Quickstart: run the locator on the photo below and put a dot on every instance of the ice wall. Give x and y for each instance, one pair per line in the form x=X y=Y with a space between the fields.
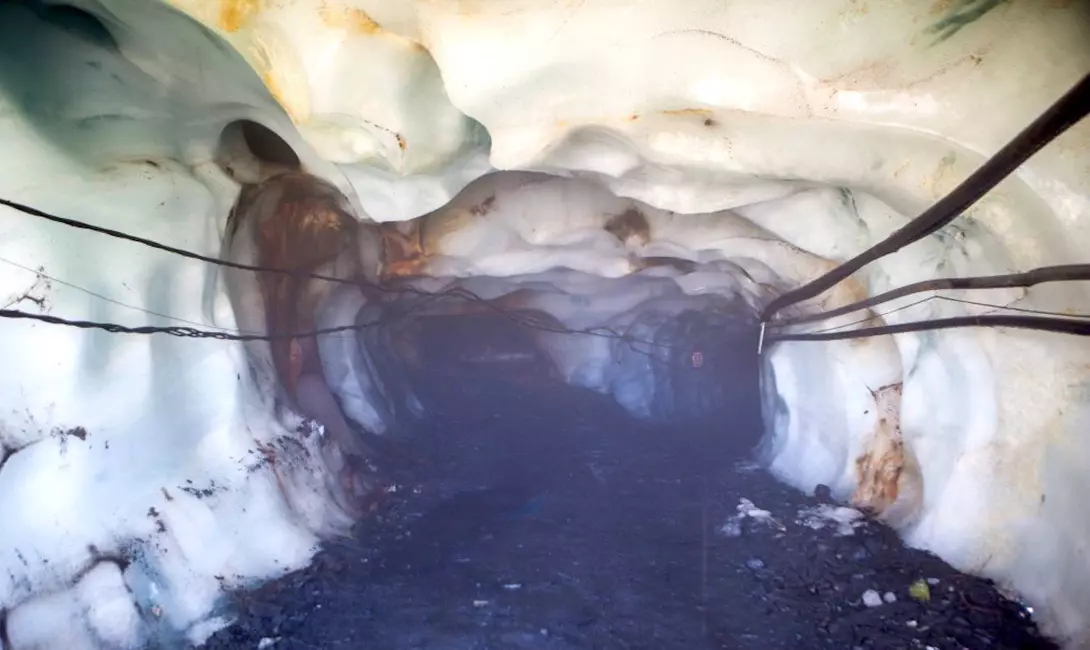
x=723 y=117
x=154 y=450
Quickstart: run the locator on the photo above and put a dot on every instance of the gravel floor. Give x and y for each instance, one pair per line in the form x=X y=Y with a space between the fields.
x=556 y=523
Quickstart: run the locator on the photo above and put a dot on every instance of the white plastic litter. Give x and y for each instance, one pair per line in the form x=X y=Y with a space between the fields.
x=871 y=598
x=845 y=520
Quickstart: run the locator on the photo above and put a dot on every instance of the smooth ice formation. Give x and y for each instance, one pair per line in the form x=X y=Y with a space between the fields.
x=656 y=156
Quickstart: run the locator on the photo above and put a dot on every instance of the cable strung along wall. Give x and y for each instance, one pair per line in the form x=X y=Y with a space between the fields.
x=1067 y=111
x=1064 y=113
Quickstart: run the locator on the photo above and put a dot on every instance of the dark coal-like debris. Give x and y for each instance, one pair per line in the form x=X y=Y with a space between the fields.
x=554 y=522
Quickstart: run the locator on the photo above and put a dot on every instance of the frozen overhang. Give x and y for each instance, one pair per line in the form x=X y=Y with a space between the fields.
x=779 y=137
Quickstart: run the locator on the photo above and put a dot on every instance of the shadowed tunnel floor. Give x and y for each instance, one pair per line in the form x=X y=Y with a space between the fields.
x=555 y=522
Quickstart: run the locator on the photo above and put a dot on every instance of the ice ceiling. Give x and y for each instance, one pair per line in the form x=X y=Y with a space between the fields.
x=763 y=140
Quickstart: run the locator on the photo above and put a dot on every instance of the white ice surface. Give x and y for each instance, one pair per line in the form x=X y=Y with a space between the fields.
x=120 y=144
x=346 y=367
x=726 y=114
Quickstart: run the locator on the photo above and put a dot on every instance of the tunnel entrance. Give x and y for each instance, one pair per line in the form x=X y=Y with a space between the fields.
x=413 y=335
x=250 y=152
x=557 y=458
x=471 y=347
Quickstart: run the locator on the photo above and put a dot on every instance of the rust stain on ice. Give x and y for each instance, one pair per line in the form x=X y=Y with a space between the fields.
x=275 y=89
x=630 y=227
x=403 y=248
x=234 y=14
x=941 y=7
x=699 y=112
x=352 y=19
x=882 y=469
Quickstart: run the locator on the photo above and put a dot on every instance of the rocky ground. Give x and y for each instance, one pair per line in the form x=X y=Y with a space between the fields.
x=556 y=523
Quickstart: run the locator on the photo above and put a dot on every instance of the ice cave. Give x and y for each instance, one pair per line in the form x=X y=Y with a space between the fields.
x=554 y=187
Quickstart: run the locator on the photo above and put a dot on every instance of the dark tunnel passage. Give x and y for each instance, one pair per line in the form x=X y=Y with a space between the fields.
x=702 y=369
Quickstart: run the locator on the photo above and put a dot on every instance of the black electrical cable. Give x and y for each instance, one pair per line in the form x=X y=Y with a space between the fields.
x=1056 y=325
x=227 y=335
x=866 y=319
x=117 y=234
x=451 y=292
x=82 y=225
x=1037 y=275
x=182 y=332
x=1064 y=113
x=1022 y=310
x=848 y=334
x=42 y=274
x=1013 y=280
x=1045 y=274
x=197 y=333
x=224 y=335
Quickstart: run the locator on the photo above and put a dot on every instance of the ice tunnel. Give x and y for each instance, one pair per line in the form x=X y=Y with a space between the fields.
x=642 y=168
